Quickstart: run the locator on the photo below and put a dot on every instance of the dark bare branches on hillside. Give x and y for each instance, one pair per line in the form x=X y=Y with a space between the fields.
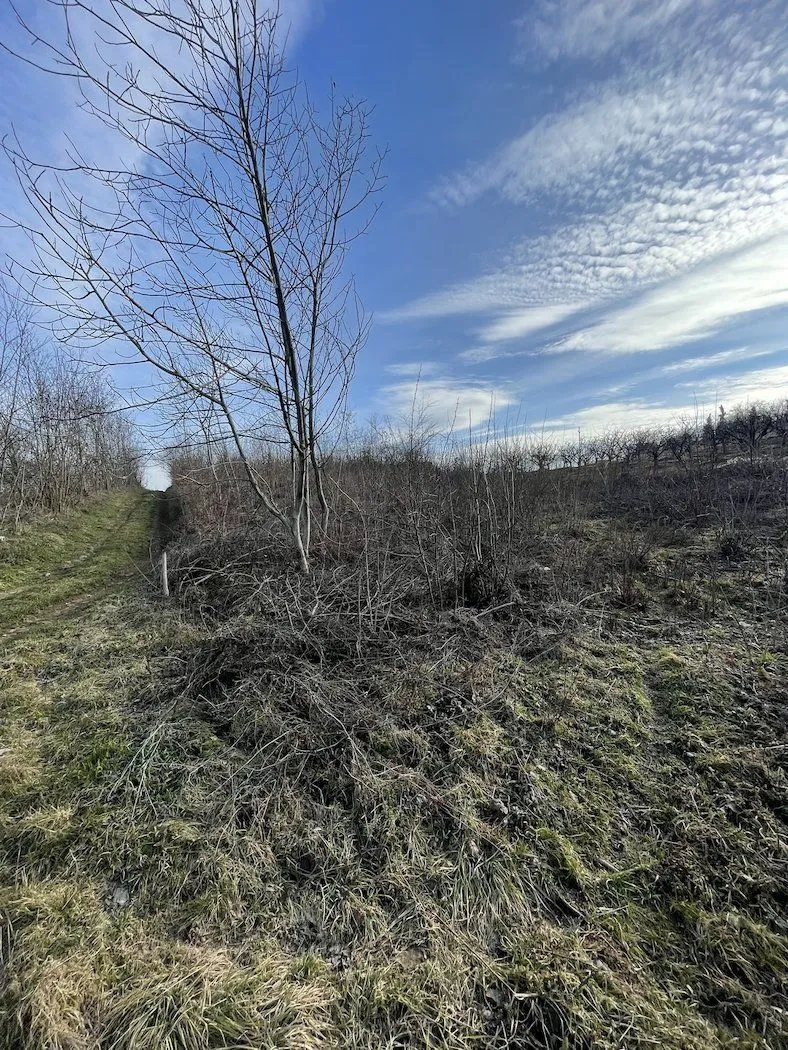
x=415 y=515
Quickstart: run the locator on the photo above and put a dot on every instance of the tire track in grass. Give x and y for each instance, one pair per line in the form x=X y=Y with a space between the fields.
x=58 y=565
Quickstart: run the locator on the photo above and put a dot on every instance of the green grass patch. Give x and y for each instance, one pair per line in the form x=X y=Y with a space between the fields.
x=80 y=552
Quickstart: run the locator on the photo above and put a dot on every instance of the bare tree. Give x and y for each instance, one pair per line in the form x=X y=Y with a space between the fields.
x=678 y=442
x=780 y=422
x=61 y=436
x=711 y=438
x=749 y=425
x=14 y=346
x=544 y=454
x=215 y=250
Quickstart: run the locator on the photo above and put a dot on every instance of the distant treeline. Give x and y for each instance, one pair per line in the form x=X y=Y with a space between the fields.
x=61 y=437
x=744 y=430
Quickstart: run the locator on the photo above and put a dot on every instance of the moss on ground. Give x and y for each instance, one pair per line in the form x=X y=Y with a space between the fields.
x=211 y=837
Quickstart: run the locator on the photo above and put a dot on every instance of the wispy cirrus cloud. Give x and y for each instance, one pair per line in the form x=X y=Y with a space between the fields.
x=617 y=415
x=593 y=28
x=478 y=355
x=496 y=337
x=764 y=384
x=651 y=118
x=412 y=369
x=517 y=323
x=663 y=229
x=695 y=401
x=696 y=304
x=446 y=404
x=707 y=362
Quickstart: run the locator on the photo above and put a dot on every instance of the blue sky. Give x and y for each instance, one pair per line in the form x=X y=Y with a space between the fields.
x=587 y=209
x=586 y=215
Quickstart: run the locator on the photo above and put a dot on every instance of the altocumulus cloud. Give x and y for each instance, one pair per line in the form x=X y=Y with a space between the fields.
x=671 y=162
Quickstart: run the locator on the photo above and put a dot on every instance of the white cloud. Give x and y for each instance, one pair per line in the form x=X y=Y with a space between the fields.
x=617 y=415
x=664 y=178
x=658 y=230
x=412 y=369
x=478 y=355
x=674 y=172
x=593 y=28
x=444 y=403
x=709 y=361
x=513 y=325
x=695 y=305
x=704 y=363
x=705 y=114
x=448 y=405
x=518 y=323
x=765 y=384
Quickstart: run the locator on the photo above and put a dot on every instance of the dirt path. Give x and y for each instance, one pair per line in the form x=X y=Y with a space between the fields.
x=56 y=567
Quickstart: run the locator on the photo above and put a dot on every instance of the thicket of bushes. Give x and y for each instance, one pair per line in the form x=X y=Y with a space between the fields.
x=61 y=437
x=471 y=526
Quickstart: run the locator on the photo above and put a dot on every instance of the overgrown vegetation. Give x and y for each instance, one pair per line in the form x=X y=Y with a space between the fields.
x=61 y=436
x=460 y=524
x=502 y=771
x=431 y=748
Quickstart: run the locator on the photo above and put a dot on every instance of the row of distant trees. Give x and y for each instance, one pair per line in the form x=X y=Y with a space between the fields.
x=61 y=437
x=742 y=431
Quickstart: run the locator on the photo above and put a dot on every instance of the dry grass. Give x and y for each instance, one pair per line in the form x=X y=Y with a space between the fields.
x=283 y=814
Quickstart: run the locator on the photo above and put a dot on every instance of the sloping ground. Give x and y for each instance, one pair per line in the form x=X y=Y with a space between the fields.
x=279 y=830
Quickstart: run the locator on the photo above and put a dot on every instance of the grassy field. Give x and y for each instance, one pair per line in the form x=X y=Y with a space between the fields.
x=564 y=830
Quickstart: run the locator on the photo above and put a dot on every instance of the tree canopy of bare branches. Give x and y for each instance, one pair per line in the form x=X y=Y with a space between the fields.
x=215 y=247
x=61 y=436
